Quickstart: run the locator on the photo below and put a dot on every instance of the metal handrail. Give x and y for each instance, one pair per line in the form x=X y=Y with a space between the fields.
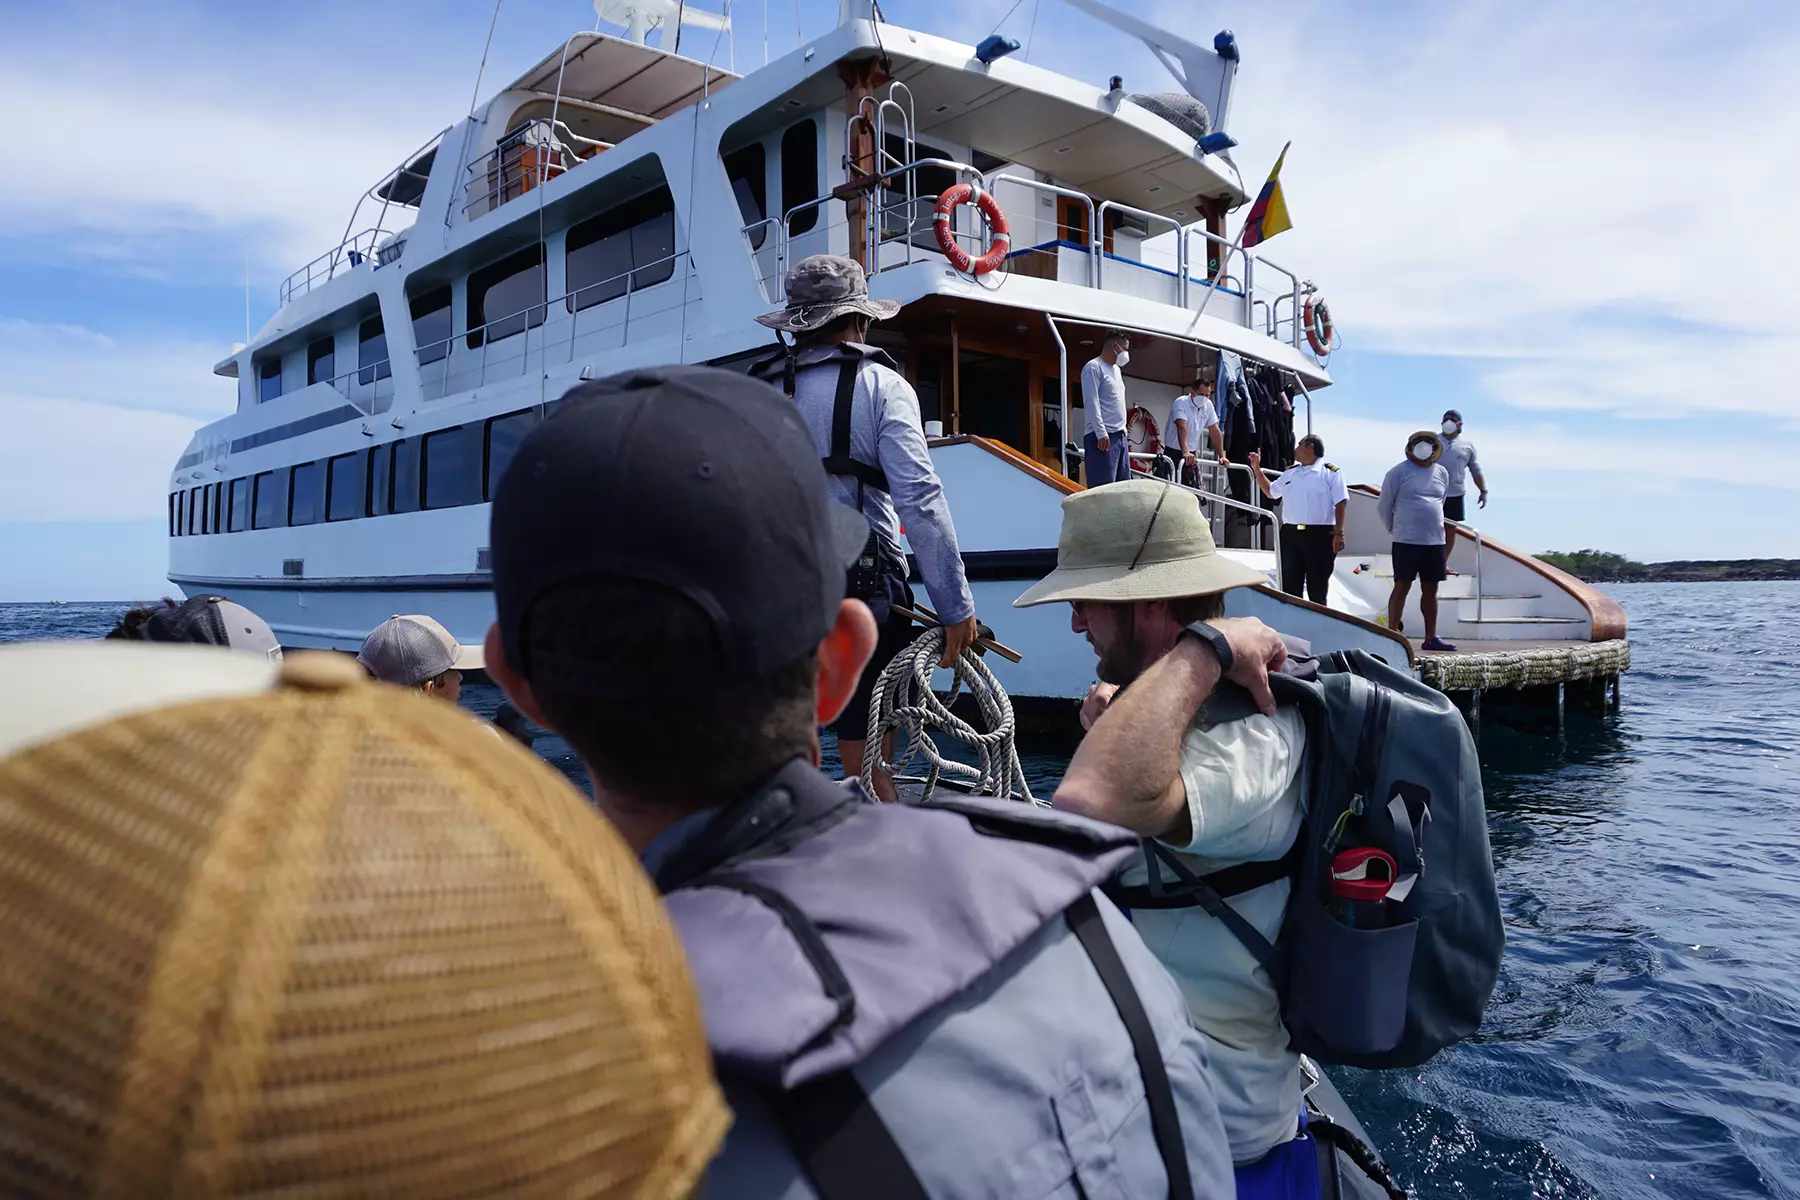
x=1476 y=534
x=1097 y=237
x=509 y=174
x=1227 y=501
x=354 y=250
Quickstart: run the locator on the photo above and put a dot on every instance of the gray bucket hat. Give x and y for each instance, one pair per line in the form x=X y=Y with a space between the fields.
x=822 y=288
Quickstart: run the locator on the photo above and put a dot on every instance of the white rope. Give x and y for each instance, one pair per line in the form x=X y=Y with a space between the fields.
x=903 y=703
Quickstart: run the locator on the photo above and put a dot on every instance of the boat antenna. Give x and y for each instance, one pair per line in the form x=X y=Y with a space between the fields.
x=246 y=287
x=765 y=33
x=482 y=69
x=799 y=37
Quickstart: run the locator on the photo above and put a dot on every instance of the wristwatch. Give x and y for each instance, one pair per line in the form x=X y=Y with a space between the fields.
x=1212 y=637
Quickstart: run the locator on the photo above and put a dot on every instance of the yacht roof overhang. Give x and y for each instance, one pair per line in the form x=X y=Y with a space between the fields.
x=623 y=75
x=1091 y=139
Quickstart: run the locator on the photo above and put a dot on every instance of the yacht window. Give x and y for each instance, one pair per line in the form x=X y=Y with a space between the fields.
x=344 y=487
x=431 y=325
x=240 y=505
x=321 y=361
x=372 y=352
x=203 y=496
x=503 y=437
x=269 y=381
x=510 y=294
x=636 y=239
x=176 y=500
x=403 y=476
x=800 y=174
x=376 y=476
x=303 y=495
x=452 y=467
x=218 y=508
x=193 y=511
x=750 y=184
x=270 y=502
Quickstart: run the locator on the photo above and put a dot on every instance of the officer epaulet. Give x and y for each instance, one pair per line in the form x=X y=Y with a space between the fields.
x=1331 y=466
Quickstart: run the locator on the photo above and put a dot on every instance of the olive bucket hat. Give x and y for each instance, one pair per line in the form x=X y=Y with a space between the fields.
x=823 y=288
x=1139 y=539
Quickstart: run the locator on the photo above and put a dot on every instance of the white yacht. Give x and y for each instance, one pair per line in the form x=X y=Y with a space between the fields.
x=621 y=204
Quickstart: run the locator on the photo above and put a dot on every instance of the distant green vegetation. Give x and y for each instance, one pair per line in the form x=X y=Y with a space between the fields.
x=1603 y=566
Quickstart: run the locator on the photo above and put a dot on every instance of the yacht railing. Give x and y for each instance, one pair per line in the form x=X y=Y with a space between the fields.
x=1256 y=510
x=527 y=157
x=1476 y=534
x=368 y=246
x=557 y=324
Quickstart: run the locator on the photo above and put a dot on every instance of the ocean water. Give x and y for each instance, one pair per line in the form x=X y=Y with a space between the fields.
x=1644 y=1040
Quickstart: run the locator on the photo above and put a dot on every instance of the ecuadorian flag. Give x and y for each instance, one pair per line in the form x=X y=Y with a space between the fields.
x=1269 y=215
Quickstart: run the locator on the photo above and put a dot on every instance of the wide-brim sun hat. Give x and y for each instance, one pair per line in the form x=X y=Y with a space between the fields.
x=1425 y=435
x=1139 y=539
x=271 y=928
x=822 y=288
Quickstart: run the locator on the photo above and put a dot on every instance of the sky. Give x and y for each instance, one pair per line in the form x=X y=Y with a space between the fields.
x=1567 y=221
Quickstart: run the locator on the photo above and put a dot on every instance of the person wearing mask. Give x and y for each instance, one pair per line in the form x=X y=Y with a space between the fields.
x=1412 y=509
x=1192 y=416
x=1149 y=596
x=1459 y=461
x=864 y=420
x=414 y=651
x=200 y=621
x=1313 y=502
x=1107 y=454
x=921 y=1000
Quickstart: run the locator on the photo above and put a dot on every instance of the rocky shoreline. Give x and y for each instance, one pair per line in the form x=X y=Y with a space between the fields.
x=1596 y=566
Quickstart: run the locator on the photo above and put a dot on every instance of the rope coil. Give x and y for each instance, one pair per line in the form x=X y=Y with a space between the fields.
x=903 y=702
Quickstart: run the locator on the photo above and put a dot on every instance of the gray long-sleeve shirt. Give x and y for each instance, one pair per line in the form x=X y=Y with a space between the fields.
x=1412 y=503
x=1459 y=461
x=886 y=431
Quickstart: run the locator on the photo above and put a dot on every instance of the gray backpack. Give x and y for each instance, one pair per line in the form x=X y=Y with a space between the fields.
x=1391 y=774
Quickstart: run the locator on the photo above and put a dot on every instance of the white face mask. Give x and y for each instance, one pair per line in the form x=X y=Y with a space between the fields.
x=1451 y=428
x=1421 y=451
x=1124 y=357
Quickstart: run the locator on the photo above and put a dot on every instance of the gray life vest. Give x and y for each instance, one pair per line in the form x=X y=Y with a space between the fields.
x=1390 y=765
x=849 y=356
x=818 y=926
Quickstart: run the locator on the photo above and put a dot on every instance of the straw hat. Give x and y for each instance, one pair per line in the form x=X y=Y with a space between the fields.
x=1139 y=539
x=270 y=927
x=1425 y=435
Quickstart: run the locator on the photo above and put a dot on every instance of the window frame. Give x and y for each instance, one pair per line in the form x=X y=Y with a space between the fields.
x=277 y=480
x=472 y=461
x=238 y=520
x=358 y=489
x=423 y=306
x=176 y=500
x=317 y=484
x=807 y=221
x=369 y=372
x=485 y=279
x=622 y=220
x=404 y=452
x=738 y=171
x=314 y=358
x=490 y=478
x=264 y=377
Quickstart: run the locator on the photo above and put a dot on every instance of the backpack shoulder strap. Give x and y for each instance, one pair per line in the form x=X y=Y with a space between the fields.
x=1165 y=1122
x=839 y=462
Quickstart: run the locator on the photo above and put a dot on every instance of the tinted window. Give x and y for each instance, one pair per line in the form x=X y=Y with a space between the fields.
x=371 y=352
x=403 y=473
x=270 y=502
x=431 y=324
x=176 y=502
x=269 y=381
x=321 y=361
x=452 y=467
x=218 y=508
x=800 y=174
x=193 y=511
x=380 y=475
x=636 y=239
x=303 y=495
x=502 y=296
x=503 y=437
x=344 y=487
x=240 y=505
x=750 y=184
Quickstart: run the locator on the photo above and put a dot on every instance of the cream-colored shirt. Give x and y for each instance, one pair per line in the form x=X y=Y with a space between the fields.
x=1243 y=794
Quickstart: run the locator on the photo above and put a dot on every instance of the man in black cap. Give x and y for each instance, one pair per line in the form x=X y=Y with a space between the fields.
x=901 y=1000
x=864 y=421
x=201 y=620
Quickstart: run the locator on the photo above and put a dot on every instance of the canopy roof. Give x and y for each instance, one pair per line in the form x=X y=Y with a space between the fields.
x=602 y=69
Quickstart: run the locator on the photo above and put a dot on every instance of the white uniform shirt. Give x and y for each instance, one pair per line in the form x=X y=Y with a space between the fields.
x=1200 y=416
x=1243 y=795
x=1103 y=397
x=1309 y=495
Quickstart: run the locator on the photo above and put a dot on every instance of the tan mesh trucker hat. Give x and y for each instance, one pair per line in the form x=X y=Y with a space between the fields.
x=269 y=928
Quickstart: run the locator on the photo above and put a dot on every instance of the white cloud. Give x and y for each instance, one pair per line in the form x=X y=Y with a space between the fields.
x=54 y=363
x=76 y=460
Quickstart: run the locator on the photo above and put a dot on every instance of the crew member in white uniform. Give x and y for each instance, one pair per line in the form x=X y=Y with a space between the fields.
x=1313 y=500
x=1189 y=414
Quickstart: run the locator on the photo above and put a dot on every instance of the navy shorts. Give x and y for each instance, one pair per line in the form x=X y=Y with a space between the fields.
x=1425 y=563
x=1453 y=509
x=895 y=635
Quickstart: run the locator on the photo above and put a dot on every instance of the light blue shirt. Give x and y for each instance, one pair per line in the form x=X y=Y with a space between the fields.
x=1459 y=461
x=1412 y=503
x=1103 y=397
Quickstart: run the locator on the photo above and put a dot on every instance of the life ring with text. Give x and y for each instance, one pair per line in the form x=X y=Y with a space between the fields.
x=1316 y=317
x=967 y=193
x=1142 y=436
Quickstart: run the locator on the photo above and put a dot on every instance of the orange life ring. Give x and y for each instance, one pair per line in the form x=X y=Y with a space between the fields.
x=1142 y=436
x=1316 y=317
x=964 y=193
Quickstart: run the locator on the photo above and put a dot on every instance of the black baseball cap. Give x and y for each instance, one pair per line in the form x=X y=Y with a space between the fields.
x=692 y=478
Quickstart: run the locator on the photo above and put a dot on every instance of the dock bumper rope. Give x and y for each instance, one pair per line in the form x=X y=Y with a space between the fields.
x=1533 y=667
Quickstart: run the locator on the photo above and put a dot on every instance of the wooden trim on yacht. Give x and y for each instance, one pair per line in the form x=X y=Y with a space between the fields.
x=1606 y=618
x=1276 y=593
x=1006 y=453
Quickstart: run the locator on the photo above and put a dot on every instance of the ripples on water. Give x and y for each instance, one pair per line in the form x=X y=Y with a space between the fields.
x=1645 y=1036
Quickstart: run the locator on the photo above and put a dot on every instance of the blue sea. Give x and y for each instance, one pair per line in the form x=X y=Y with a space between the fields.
x=1644 y=1040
